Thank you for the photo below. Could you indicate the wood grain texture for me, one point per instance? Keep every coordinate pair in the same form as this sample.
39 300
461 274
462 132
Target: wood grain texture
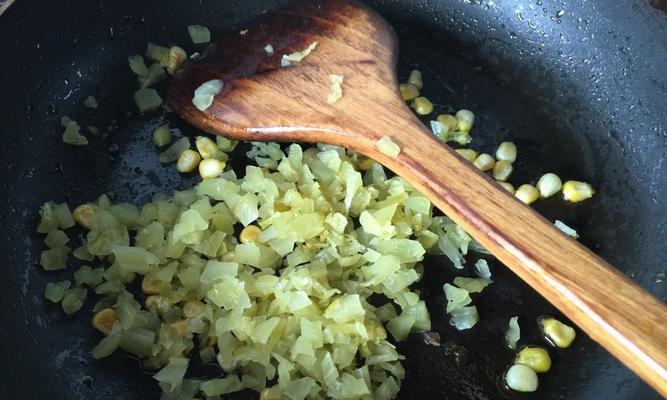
261 101
4 5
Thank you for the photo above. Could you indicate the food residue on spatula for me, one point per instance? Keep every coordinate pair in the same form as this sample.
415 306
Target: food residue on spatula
204 94
297 56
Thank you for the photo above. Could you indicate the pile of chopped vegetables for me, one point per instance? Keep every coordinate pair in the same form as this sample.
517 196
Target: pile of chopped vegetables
294 278
269 274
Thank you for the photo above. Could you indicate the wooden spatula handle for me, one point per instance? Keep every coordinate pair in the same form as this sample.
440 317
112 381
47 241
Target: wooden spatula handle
603 302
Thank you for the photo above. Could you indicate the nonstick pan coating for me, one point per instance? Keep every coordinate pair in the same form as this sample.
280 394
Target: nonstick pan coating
581 87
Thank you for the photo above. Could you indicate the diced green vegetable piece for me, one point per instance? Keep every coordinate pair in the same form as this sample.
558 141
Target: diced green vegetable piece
158 54
456 298
482 269
155 74
73 136
464 318
217 387
134 259
174 151
162 136
226 144
48 220
90 102
82 252
345 309
173 373
56 238
199 34
73 300
137 341
54 259
137 65
105 233
472 285
63 216
147 100
126 214
107 346
513 333
88 276
56 291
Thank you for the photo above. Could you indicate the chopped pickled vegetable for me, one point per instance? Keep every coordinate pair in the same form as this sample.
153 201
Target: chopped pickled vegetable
73 300
147 100
472 285
174 151
336 90
54 259
56 291
137 65
90 102
297 56
416 79
73 136
158 54
162 136
457 298
155 75
513 333
464 318
388 147
566 229
482 269
206 92
199 34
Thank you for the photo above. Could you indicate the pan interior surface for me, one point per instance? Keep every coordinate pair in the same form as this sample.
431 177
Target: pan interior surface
579 97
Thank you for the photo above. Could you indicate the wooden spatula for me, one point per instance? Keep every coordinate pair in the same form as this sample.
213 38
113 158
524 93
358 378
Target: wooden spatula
264 101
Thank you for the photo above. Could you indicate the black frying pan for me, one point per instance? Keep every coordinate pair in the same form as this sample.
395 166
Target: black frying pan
581 87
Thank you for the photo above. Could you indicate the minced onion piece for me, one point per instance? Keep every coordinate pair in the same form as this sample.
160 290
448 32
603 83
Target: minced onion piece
56 291
464 318
482 269
90 102
159 54
155 74
566 229
175 236
472 285
388 147
206 92
174 151
297 56
199 34
73 136
513 333
336 91
137 65
456 297
268 49
147 100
